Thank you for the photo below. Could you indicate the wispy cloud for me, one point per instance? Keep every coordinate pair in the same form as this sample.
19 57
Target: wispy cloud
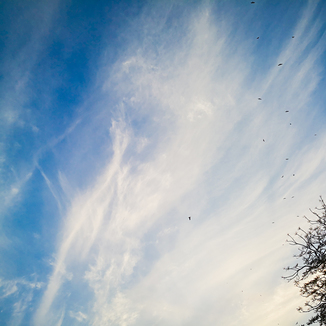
187 139
23 47
79 316
9 287
20 293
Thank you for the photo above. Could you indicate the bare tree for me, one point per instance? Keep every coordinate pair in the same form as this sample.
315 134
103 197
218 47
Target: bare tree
309 275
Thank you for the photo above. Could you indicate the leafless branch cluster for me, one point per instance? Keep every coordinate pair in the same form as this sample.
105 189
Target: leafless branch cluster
309 275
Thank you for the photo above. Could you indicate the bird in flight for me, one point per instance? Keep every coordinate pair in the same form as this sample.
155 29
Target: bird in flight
292 36
282 176
286 159
286 111
280 64
263 140
259 98
189 218
257 37
252 2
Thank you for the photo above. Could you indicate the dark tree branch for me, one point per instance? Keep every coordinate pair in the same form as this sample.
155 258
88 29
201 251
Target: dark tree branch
312 254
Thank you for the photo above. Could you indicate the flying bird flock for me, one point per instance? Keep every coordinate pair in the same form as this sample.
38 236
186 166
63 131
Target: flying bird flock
260 99
286 111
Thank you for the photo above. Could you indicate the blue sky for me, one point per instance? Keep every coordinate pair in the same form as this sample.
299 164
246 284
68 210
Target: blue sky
120 120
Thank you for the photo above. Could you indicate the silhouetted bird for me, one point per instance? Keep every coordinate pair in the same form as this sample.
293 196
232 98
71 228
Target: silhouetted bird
292 36
252 2
315 134
189 218
286 111
286 159
280 64
257 37
263 140
282 176
259 98
290 124
293 174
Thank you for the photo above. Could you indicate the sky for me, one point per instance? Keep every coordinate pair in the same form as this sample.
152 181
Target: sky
119 120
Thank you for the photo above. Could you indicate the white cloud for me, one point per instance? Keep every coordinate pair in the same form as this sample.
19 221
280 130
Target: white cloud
62 316
78 316
9 287
23 291
19 308
19 57
188 141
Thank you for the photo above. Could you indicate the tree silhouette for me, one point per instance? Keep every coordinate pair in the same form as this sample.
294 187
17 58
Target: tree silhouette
310 274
